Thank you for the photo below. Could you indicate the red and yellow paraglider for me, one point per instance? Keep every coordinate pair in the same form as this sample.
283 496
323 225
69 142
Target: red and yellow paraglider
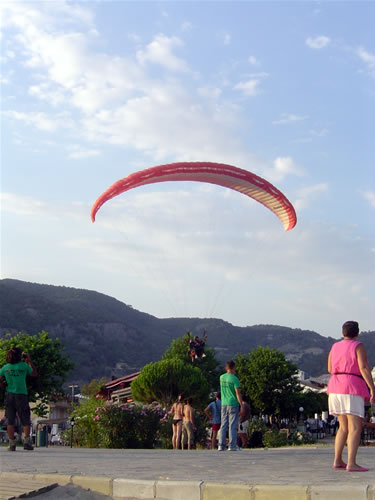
220 174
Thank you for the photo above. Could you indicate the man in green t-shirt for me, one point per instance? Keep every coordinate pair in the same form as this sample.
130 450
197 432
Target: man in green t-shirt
231 400
16 397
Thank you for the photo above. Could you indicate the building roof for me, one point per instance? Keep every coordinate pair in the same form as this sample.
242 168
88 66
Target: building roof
122 381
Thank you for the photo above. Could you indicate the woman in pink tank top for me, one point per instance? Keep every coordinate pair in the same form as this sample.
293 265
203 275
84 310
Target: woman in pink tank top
348 389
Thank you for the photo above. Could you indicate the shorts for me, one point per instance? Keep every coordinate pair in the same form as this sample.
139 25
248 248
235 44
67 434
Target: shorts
346 404
187 433
17 404
216 427
243 428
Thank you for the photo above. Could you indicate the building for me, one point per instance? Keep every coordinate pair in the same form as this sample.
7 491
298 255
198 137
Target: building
57 415
118 390
316 384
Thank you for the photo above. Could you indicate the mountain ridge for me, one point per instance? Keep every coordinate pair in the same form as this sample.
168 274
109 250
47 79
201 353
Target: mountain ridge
105 336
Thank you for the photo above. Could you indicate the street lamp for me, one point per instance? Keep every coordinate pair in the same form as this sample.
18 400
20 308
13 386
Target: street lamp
301 424
72 422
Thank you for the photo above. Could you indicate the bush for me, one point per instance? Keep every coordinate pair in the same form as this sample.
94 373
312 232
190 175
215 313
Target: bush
86 432
98 424
275 439
298 438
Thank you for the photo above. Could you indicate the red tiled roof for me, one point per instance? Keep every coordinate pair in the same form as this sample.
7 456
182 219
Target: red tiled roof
122 380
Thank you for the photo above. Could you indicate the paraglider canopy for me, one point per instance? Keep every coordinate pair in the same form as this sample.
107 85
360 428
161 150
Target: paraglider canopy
220 174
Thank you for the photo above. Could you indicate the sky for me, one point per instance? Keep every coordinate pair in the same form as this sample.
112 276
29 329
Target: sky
93 91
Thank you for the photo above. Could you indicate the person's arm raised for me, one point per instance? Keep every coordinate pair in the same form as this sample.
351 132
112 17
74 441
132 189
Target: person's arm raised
34 373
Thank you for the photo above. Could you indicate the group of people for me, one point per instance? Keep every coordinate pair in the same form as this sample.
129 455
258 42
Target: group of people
229 413
350 385
183 423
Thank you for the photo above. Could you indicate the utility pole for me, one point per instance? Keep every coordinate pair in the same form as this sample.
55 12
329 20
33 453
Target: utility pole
73 386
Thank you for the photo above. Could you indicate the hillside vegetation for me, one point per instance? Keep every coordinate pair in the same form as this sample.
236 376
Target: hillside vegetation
106 337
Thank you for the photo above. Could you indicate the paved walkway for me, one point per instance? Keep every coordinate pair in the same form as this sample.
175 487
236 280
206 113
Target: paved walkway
297 467
9 489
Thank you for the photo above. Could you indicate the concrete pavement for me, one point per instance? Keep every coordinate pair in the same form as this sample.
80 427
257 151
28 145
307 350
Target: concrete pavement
277 474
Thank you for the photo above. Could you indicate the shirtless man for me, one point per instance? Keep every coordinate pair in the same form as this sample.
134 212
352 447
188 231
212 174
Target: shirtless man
178 412
188 424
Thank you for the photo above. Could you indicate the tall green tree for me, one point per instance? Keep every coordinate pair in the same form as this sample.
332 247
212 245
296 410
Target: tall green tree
164 380
93 387
269 380
209 365
52 365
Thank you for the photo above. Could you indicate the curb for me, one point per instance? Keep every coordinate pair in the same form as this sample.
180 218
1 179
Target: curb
134 489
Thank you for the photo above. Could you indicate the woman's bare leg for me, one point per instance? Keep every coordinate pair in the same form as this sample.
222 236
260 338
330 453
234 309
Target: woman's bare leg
355 425
178 435
174 437
213 439
341 437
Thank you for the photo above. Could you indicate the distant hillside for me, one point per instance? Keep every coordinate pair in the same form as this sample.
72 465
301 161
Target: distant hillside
104 336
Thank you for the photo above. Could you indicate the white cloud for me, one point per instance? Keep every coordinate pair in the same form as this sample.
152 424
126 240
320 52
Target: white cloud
253 61
227 38
289 118
118 100
40 120
369 59
210 92
21 205
41 209
319 42
319 133
370 197
80 154
282 167
249 88
186 26
308 194
159 51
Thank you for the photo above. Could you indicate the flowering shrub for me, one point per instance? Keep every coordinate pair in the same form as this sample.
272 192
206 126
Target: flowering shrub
86 431
100 424
130 425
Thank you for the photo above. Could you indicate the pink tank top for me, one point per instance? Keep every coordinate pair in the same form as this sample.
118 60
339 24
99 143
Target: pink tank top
346 376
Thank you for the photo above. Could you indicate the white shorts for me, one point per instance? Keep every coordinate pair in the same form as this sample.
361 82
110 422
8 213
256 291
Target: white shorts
346 404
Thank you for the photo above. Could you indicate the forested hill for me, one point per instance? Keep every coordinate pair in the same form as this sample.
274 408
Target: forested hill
104 336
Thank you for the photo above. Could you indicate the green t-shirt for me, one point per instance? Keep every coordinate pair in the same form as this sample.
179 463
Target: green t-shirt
15 375
228 385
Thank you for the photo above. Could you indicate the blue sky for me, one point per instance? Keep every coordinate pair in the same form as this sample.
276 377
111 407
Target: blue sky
93 91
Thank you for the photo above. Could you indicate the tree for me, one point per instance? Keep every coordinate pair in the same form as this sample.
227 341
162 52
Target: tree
313 402
179 349
92 388
269 380
51 364
164 380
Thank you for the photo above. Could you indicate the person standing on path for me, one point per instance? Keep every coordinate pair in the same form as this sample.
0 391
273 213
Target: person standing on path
231 400
213 412
178 413
16 395
188 424
348 388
